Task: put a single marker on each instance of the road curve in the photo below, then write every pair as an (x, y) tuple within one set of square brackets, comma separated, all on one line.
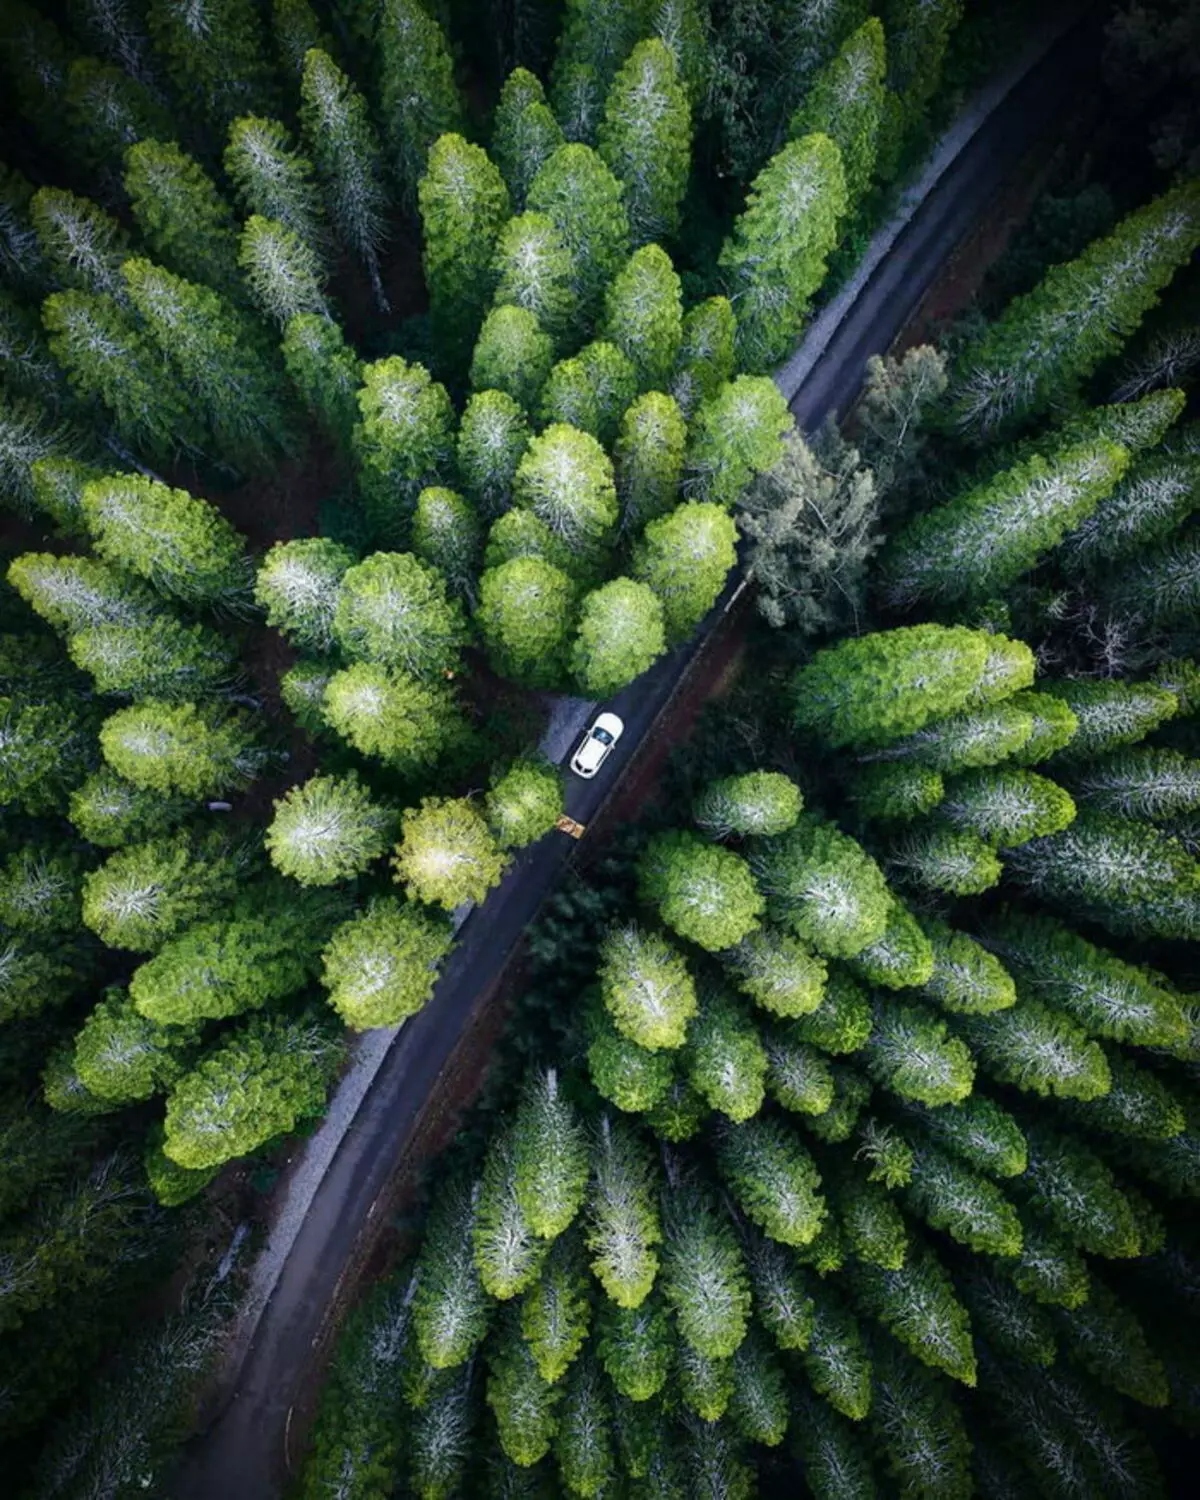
[(241, 1456)]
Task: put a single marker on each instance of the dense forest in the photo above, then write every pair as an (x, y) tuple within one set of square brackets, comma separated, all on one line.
[(372, 371)]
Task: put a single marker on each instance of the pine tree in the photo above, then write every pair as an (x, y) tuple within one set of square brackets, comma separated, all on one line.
[(508, 1254), (1040, 349), (188, 748), (1006, 807), (734, 436), (556, 1310), (449, 1306), (302, 689), (513, 355), (635, 1347), (226, 370), (619, 636), (951, 1197), (108, 111), (945, 860), (979, 1133), (110, 812), (440, 1436), (418, 95), (645, 138), (636, 1080), (725, 1061), (58, 485), (835, 1359), (702, 892), (911, 1052), (182, 216), (275, 181), (524, 1405), (704, 1277), (165, 659), (393, 717), (325, 371), (623, 1216), (328, 829), (918, 35), (773, 1180), (446, 854), (525, 802), (348, 160), (253, 1085), (836, 1463), (535, 271), (45, 751), (644, 315), (110, 363), (565, 478), (798, 1077), (901, 958), (550, 1158), (1138, 1103), (20, 255), (1154, 498), (298, 585), (1160, 585), (394, 610), (847, 102), (646, 987), (706, 353), (79, 593), (841, 1023), (823, 886), (584, 201), (1054, 725), (526, 612), (966, 977), (781, 1302), (36, 977), (381, 967), (596, 39), (146, 893), (83, 247), (463, 203), (26, 364), (1069, 1186), (492, 438), (216, 56), (402, 443), (296, 31), (181, 545), (979, 737), (685, 557), (982, 541), (1038, 1050), (919, 1427), (264, 951), (447, 536), (40, 890), (282, 274), (648, 459), (758, 802), (775, 257), (524, 132)]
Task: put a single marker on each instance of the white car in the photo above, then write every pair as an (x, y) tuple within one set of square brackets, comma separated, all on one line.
[(596, 745)]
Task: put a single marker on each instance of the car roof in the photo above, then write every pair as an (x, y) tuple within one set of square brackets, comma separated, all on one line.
[(608, 721)]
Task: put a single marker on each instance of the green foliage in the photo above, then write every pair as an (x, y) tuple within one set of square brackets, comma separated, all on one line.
[(535, 272), (302, 689), (847, 103), (633, 1078), (1054, 723), (402, 443), (282, 273), (525, 803), (556, 1311), (83, 246), (1138, 1103), (980, 1133), (1038, 1050), (648, 458), (1110, 713), (524, 132), (109, 811), (919, 1428), (381, 966), (181, 545), (1153, 500), (591, 391), (1006, 807), (703, 893), (646, 988), (635, 1347), (823, 886), (78, 593), (523, 1404), (253, 1085), (645, 138), (1145, 783), (526, 612), (512, 354), (388, 715), (417, 93), (773, 1180), (1160, 585), (165, 659), (1040, 350), (918, 1306), (492, 437), (181, 215), (874, 1227), (841, 1023), (326, 372), (1069, 1186), (896, 791), (508, 1254), (901, 959), (275, 182), (448, 537), (566, 479), (298, 585), (798, 1076), (725, 1060), (943, 859), (584, 1444), (584, 201), (623, 1225), (463, 203), (40, 889), (216, 56), (550, 1159), (778, 973), (393, 609), (328, 829), (911, 1052), (446, 854), (644, 316), (704, 1278), (143, 895), (775, 257), (450, 1309), (186, 748), (758, 802), (966, 977), (619, 636), (45, 751), (735, 435), (949, 1196), (835, 1359), (685, 557)]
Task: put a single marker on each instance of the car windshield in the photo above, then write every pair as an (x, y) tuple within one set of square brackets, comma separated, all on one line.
[(602, 735)]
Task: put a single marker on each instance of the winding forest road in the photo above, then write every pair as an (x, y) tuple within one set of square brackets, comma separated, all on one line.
[(242, 1454)]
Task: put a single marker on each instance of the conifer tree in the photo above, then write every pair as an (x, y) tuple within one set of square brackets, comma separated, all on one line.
[(512, 354), (194, 750), (1006, 807), (704, 893), (1160, 585), (619, 636), (631, 1077), (179, 544), (1038, 1050), (28, 435), (979, 1133), (970, 1209), (348, 160), (685, 557), (508, 1254), (146, 893), (646, 987), (758, 802), (492, 438), (635, 1347), (835, 1359), (901, 958), (977, 738), (108, 111), (463, 203), (1040, 349), (418, 95), (40, 890), (911, 1052), (778, 973), (181, 215), (965, 977), (216, 56), (648, 459), (328, 829), (916, 1423), (1069, 1185), (645, 138), (725, 1060), (524, 1405), (781, 1302), (1054, 726), (220, 360), (325, 371), (111, 363), (275, 181), (524, 132), (585, 203), (1155, 497), (394, 717), (565, 478), (556, 1310), (255, 1084), (706, 359), (773, 1180), (121, 1057), (58, 490), (20, 255), (446, 854), (403, 441), (165, 659), (447, 536), (282, 274), (79, 593), (45, 751), (623, 1226), (1138, 1103), (704, 1277), (823, 886), (734, 436), (83, 247), (394, 610), (525, 802), (847, 102), (918, 35), (110, 812), (26, 363), (296, 31), (449, 1306), (302, 689), (526, 612), (946, 860), (775, 257), (535, 271), (382, 965), (550, 1158), (298, 585), (644, 315)]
